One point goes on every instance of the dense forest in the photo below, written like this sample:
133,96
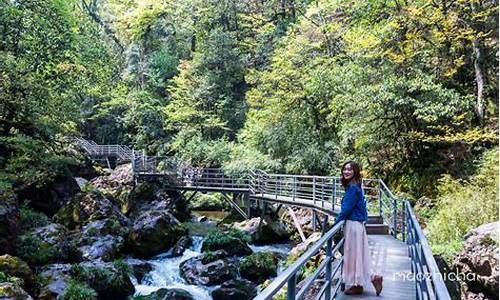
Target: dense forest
407,88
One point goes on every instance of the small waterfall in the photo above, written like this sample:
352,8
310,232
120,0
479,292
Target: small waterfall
165,274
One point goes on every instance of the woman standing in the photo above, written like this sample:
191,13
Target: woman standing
357,262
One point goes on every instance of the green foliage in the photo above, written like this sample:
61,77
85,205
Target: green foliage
463,206
78,291
101,279
208,202
34,251
31,219
217,239
259,266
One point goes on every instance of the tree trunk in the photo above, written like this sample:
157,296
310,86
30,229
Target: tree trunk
478,70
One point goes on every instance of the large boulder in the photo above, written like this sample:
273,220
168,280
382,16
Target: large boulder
154,232
169,294
152,196
139,268
102,239
109,280
259,266
15,267
47,244
52,196
118,184
53,280
9,221
11,291
184,243
264,230
478,261
87,207
195,272
236,289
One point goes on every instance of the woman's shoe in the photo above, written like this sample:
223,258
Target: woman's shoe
354,290
377,283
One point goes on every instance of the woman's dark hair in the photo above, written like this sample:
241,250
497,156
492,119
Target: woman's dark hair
356,178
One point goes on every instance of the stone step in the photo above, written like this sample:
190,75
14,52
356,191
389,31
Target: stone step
377,229
374,220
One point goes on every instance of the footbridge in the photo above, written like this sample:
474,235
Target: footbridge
399,249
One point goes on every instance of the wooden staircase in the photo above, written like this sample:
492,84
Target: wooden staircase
375,225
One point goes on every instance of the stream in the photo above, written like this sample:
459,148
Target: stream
166,274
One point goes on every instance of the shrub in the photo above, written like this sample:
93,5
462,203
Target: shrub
259,266
32,219
463,206
218,237
34,251
78,291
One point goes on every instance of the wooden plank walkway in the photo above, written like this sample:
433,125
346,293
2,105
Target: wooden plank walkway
389,258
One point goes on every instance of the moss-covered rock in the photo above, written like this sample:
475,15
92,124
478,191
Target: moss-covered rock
9,221
154,232
169,294
194,271
14,266
234,242
11,291
109,280
87,207
53,280
259,266
240,289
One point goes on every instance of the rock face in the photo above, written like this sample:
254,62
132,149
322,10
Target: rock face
15,267
9,221
139,268
259,266
107,279
264,231
154,232
119,184
53,279
169,294
102,239
236,289
87,207
184,243
213,273
478,262
51,197
10,291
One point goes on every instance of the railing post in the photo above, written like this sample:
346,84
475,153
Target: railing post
403,230
334,192
395,216
290,294
314,190
294,187
328,272
380,197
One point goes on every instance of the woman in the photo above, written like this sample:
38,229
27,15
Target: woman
357,261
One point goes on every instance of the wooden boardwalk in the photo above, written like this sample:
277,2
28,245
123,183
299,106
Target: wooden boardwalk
389,258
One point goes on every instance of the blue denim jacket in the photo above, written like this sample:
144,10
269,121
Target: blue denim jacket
353,205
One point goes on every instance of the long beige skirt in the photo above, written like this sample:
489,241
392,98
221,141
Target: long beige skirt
357,269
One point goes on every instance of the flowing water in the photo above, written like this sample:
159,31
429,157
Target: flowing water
166,274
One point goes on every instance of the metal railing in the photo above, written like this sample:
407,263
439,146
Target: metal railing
329,270
319,190
429,281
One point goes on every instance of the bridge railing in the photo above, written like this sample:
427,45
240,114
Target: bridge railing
328,271
322,191
94,150
429,281
391,208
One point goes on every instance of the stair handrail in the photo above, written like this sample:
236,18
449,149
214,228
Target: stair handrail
289,275
428,280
